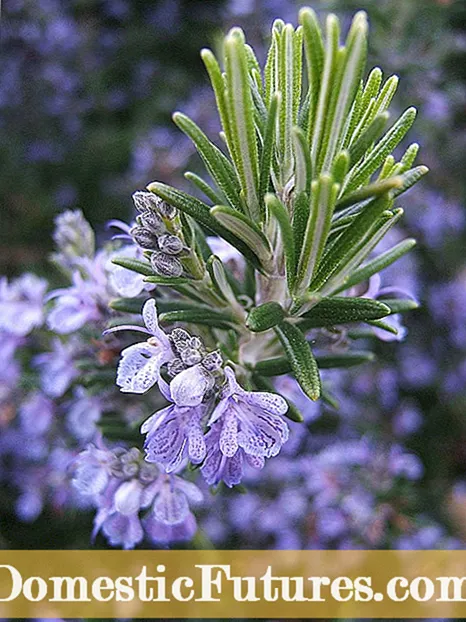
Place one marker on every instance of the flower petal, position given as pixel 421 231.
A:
pixel 171 507
pixel 228 442
pixel 271 402
pixel 128 497
pixel 257 462
pixel 124 530
pixel 166 442
pixel 262 434
pixel 149 315
pixel 139 368
pixel 233 470
pixel 196 442
pixel 189 387
pixel 192 492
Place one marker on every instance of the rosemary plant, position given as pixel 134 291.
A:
pixel 304 186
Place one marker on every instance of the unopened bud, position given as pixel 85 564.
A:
pixel 144 237
pixel 146 201
pixel 148 472
pixel 213 361
pixel 166 265
pixel 153 222
pixel 170 244
pixel 196 343
pixel 167 211
pixel 180 339
pixel 175 367
pixel 191 357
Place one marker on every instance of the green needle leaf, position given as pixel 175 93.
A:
pixel 324 194
pixel 280 366
pixel 303 164
pixel 359 147
pixel 349 241
pixel 381 150
pixel 135 265
pixel 314 50
pixel 379 263
pixel 209 317
pixel 244 229
pixel 409 178
pixel 268 147
pixel 279 212
pixel 204 187
pixel 331 50
pixel 301 358
pixel 240 112
pixel 168 280
pixel 127 305
pixel 342 310
pixel 264 317
pixel 370 191
pixel 400 305
pixel 217 164
pixel 218 85
pixel 351 75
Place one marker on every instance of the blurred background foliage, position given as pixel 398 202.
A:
pixel 87 88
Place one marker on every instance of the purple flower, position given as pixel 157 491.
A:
pixel 73 237
pixel 82 414
pixel 21 304
pixel 75 306
pixel 126 282
pixel 57 370
pixel 36 414
pixel 171 519
pixel 122 484
pixel 139 367
pixel 244 425
pixel 250 420
pixel 174 433
pixel 92 471
pixel 218 467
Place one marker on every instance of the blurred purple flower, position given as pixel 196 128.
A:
pixel 22 304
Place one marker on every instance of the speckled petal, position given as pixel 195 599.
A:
pixel 233 471
pixel 139 368
pixel 171 507
pixel 166 442
pixel 196 442
pixel 228 442
pixel 271 402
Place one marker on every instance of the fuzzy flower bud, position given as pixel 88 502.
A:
pixel 166 265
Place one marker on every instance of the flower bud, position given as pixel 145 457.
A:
pixel 146 201
pixel 213 361
pixel 166 265
pixel 167 211
pixel 190 356
pixel 196 343
pixel 170 244
pixel 181 339
pixel 153 222
pixel 144 237
pixel 174 367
